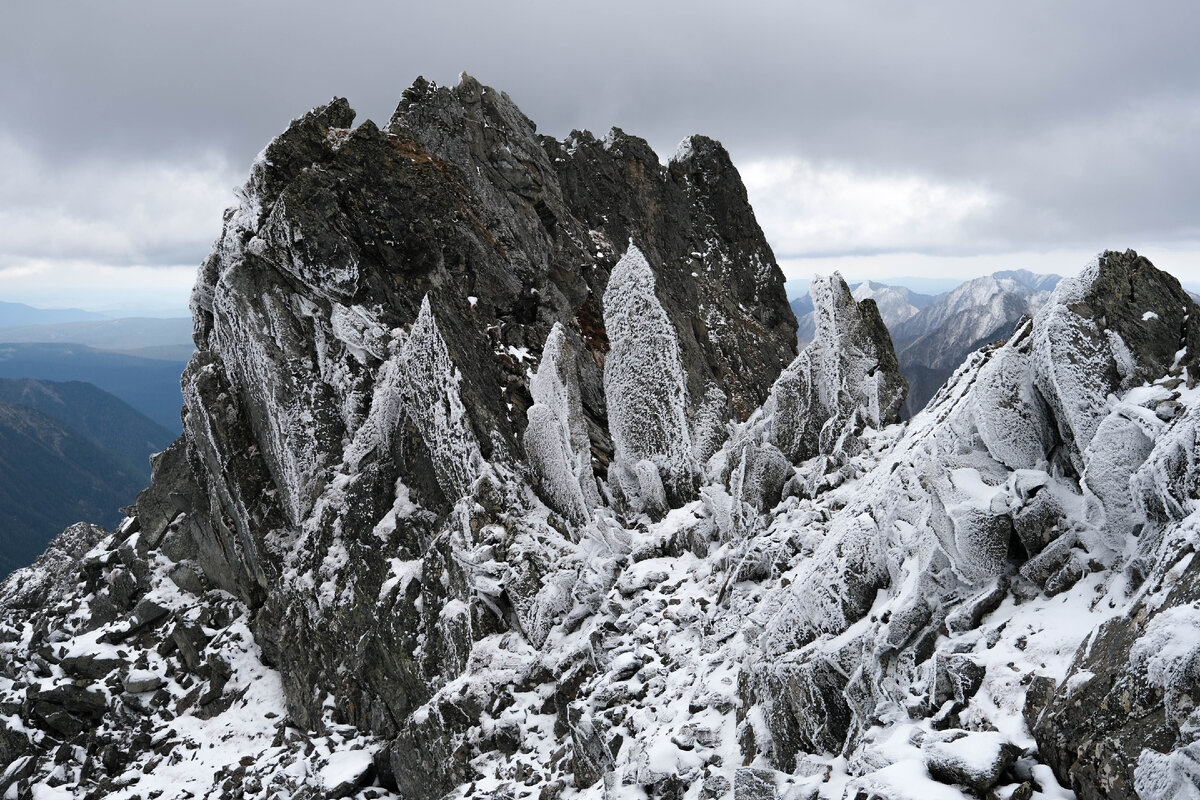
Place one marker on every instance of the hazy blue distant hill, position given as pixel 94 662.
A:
pixel 52 477
pixel 103 419
pixel 20 314
pixel 149 385
pixel 148 337
pixel 802 307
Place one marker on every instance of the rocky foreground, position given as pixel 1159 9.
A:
pixel 500 477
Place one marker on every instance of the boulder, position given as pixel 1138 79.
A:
pixel 977 760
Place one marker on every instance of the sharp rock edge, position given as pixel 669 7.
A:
pixel 501 478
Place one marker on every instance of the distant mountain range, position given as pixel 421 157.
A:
pixel 84 402
pixel 137 359
pixel 932 335
pixel 101 418
pixel 53 474
pixel 12 314
pixel 147 337
pixel 149 385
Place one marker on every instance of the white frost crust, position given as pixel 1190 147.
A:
pixel 790 407
pixel 247 727
pixel 1169 776
pixel 550 461
pixel 1009 414
pixel 1117 451
pixel 1075 288
pixel 683 151
pixel 833 387
pixel 943 489
pixel 644 382
pixel 915 522
pixel 640 486
pixel 710 427
pixel 417 384
pixel 833 317
pixel 1159 485
pixel 432 400
pixel 420 382
pixel 337 277
pixel 556 438
pixel 359 330
pixel 257 352
pixel 1070 364
pixel 1168 651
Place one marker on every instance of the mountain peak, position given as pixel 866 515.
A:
pixel 501 476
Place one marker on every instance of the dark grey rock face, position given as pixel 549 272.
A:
pixel 1148 309
pixel 697 224
pixel 368 327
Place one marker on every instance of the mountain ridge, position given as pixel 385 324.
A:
pixel 149 385
pixel 501 476
pixel 16 314
pixel 52 477
pixel 125 334
pixel 97 415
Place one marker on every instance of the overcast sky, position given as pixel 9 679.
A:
pixel 881 138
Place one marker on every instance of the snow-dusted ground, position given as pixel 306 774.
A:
pixel 676 632
pixel 214 728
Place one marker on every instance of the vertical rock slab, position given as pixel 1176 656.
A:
pixel 846 378
pixel 645 385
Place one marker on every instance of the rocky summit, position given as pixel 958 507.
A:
pixel 501 478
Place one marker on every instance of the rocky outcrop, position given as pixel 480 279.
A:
pixel 647 395
pixel 845 379
pixel 407 281
pixel 500 479
pixel 896 305
pixel 842 384
pixel 425 355
pixel 1030 472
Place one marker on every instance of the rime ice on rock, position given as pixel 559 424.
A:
pixel 419 383
pixel 845 379
pixel 896 614
pixel 646 391
pixel 1073 365
pixel 1009 412
pixel 431 396
pixel 556 439
pixel 979 485
pixel 358 456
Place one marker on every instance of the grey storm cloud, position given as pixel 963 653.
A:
pixel 1078 120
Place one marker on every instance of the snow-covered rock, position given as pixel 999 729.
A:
pixel 976 759
pixel 382 562
pixel 646 390
pixel 556 439
pixel 845 379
